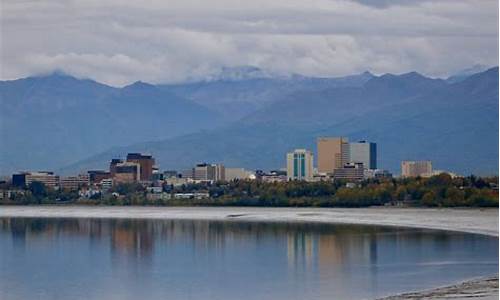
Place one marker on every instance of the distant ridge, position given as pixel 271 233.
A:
pixel 238 74
pixel 236 99
pixel 52 120
pixel 410 116
pixel 465 73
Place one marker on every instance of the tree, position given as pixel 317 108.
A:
pixel 38 190
pixel 454 197
pixel 430 199
pixel 484 198
pixel 442 179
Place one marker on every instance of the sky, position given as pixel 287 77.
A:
pixel 164 41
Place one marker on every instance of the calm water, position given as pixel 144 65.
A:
pixel 157 259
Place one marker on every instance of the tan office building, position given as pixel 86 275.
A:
pixel 415 168
pixel 74 182
pixel 333 153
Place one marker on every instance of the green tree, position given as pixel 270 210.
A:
pixel 430 199
pixel 38 190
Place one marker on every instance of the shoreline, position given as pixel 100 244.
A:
pixel 470 220
pixel 485 288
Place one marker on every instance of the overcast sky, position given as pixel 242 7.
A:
pixel 160 41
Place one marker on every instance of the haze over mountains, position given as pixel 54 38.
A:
pixel 50 121
pixel 245 117
pixel 236 92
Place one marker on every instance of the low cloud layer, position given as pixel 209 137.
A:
pixel 170 41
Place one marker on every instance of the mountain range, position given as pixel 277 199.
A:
pixel 51 121
pixel 237 92
pixel 249 120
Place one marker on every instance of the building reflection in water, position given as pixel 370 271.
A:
pixel 308 246
pixel 296 259
pixel 331 248
pixel 131 243
pixel 300 249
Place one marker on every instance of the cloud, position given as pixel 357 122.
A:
pixel 388 3
pixel 118 42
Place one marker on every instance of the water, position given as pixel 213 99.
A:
pixel 165 259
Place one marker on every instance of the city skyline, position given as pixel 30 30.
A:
pixel 250 149
pixel 338 159
pixel 236 117
pixel 300 164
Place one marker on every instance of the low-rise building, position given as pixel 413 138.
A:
pixel 6 194
pixel 106 184
pixel 351 185
pixel 273 176
pixel 350 171
pixel 95 176
pixel 170 173
pixel 191 195
pixel 177 181
pixel 377 173
pixel 415 168
pixel 158 196
pixel 89 192
pixel 321 177
pixel 237 173
pixel 157 177
pixel 154 189
pixel 23 179
pixel 74 182
pixel 187 173
pixel 438 172
pixel 209 172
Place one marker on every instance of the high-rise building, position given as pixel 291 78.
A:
pixel 299 165
pixel 333 153
pixel 146 161
pixel 364 152
pixel 415 168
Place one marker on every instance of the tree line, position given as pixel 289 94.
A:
pixel 437 191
